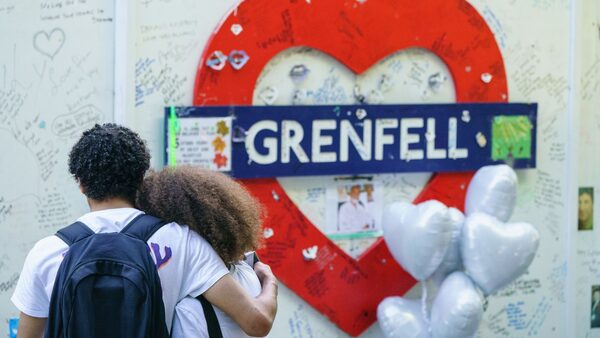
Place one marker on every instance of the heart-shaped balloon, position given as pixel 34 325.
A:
pixel 457 308
pixel 494 253
pixel 401 318
pixel 452 260
pixel 418 236
pixel 493 190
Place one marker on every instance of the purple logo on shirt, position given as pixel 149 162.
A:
pixel 160 261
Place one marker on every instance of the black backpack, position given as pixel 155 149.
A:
pixel 107 285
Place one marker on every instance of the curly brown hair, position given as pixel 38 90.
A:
pixel 210 203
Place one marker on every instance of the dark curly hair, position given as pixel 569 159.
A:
pixel 109 161
pixel 210 203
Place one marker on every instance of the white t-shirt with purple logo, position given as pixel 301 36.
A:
pixel 186 263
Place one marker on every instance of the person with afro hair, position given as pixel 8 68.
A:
pixel 222 212
pixel 108 163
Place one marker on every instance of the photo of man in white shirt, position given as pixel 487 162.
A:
pixel 353 215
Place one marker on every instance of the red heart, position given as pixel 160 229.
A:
pixel 358 34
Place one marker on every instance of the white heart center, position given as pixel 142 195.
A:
pixel 408 76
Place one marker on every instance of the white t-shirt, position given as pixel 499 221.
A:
pixel 189 318
pixel 187 264
pixel 353 216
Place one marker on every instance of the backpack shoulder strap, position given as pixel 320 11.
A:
pixel 74 233
pixel 212 323
pixel 143 227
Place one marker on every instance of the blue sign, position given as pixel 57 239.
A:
pixel 275 141
pixel 13 324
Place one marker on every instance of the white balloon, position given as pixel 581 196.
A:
pixel 457 308
pixel 401 318
pixel 418 236
pixel 452 260
pixel 493 190
pixel 496 253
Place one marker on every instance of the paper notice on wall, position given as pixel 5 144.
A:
pixel 511 136
pixel 204 142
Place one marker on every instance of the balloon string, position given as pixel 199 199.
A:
pixel 424 305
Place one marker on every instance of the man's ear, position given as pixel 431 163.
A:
pixel 82 188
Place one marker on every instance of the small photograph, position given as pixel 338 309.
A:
pixel 354 210
pixel 595 313
pixel 585 216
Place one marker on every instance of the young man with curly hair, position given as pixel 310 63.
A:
pixel 222 212
pixel 109 163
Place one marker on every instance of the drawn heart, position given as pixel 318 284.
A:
pixel 51 43
pixel 401 318
pixel 358 35
pixel 494 253
pixel 457 308
pixel 493 191
pixel 418 236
